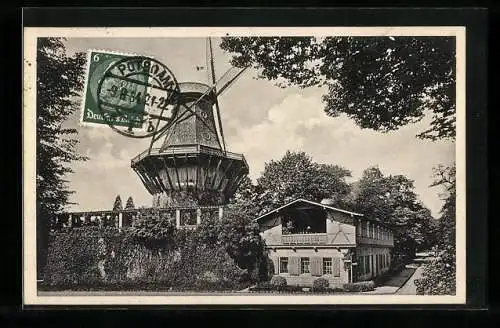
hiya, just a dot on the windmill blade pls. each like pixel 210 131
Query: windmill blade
pixel 237 72
pixel 220 124
pixel 212 75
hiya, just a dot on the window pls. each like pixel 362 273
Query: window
pixel 327 265
pixel 283 265
pixel 361 265
pixel 305 266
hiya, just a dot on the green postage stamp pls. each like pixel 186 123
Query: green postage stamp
pixel 98 62
pixel 134 95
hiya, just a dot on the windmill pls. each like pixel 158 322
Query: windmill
pixel 188 164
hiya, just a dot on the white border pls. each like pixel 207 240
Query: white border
pixel 30 296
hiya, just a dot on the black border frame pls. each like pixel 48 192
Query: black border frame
pixel 475 20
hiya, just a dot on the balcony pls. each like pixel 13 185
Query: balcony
pixel 305 239
pixel 310 239
pixel 188 149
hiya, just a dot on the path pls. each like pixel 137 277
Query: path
pixel 409 288
pixel 400 284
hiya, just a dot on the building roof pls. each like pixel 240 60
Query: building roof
pixel 310 202
pixel 322 206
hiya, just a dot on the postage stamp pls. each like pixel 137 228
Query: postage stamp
pixel 337 184
pixel 135 95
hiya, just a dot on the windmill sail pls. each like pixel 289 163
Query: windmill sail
pixel 212 75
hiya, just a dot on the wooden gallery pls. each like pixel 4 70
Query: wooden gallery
pixel 306 240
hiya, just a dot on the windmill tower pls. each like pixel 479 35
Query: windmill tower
pixel 187 165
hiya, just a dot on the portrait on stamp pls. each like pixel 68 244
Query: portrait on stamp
pixel 256 166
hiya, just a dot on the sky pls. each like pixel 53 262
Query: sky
pixel 260 120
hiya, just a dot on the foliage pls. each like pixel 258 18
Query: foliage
pixel 93 257
pixel 297 176
pixel 154 229
pixel 117 205
pixel 220 254
pixel 362 286
pixel 439 276
pixel 382 83
pixel 320 285
pixel 393 201
pixel 278 282
pixel 130 204
pixel 59 80
pixel 239 236
pixel 78 256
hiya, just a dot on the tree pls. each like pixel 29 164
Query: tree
pixel 445 178
pixel 297 176
pixel 393 201
pixel 382 83
pixel 439 276
pixel 130 204
pixel 117 206
pixel 239 235
pixel 59 81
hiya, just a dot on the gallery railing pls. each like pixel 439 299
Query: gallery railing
pixel 191 149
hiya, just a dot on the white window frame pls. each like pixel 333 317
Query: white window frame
pixel 327 260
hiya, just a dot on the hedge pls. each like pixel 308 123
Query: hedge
pixel 101 258
pixel 362 286
pixel 278 282
pixel 320 285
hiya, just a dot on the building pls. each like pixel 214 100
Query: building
pixel 306 240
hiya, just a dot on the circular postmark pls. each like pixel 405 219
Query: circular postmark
pixel 138 96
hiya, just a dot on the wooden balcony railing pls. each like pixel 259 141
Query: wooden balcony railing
pixel 305 239
pixel 310 239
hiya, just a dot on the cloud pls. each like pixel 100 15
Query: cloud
pixel 105 159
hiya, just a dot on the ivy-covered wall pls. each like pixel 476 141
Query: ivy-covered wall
pixel 91 257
